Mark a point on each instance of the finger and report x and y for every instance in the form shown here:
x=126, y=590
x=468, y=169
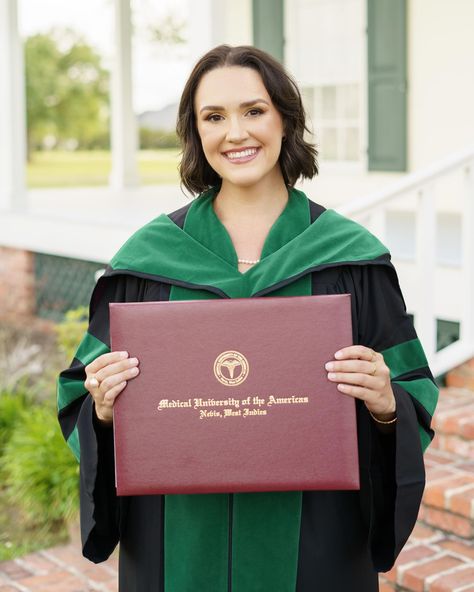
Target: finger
x=374, y=383
x=373, y=401
x=113, y=393
x=111, y=381
x=356, y=351
x=352, y=366
x=105, y=359
x=115, y=368
x=105, y=405
x=89, y=384
x=358, y=392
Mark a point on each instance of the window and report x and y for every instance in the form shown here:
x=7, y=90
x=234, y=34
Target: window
x=334, y=111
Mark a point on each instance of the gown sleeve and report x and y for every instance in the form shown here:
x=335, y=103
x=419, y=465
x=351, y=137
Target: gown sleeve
x=392, y=469
x=90, y=441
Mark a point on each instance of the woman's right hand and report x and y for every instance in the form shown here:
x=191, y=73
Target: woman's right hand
x=106, y=378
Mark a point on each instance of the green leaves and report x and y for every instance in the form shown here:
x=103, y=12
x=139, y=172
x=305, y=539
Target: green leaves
x=66, y=90
x=11, y=407
x=71, y=330
x=41, y=475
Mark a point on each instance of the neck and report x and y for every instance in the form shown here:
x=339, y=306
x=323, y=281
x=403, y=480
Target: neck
x=233, y=203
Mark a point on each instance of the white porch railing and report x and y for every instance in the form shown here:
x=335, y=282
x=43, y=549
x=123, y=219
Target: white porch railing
x=422, y=186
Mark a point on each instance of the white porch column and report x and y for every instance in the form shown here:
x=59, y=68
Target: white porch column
x=12, y=111
x=213, y=22
x=203, y=26
x=123, y=121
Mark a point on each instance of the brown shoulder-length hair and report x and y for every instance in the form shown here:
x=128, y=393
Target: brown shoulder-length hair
x=298, y=158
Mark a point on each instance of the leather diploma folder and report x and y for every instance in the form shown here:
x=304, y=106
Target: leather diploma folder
x=233, y=396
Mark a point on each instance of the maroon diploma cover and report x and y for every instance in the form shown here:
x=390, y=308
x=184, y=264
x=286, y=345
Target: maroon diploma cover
x=233, y=396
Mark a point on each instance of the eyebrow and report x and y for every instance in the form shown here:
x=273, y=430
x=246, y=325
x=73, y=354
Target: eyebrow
x=245, y=104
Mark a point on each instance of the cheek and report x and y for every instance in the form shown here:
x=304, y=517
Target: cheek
x=271, y=130
x=211, y=150
x=210, y=139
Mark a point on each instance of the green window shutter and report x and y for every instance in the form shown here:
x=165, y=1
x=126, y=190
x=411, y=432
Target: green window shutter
x=387, y=79
x=268, y=26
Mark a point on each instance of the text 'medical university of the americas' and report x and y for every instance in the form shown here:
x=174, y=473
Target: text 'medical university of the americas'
x=255, y=401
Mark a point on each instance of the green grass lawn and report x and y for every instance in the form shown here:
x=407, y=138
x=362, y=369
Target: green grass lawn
x=92, y=168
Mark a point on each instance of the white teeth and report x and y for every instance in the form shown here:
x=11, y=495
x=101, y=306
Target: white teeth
x=241, y=154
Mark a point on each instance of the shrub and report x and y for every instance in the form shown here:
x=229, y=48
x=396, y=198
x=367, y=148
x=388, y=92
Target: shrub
x=27, y=355
x=71, y=330
x=41, y=475
x=11, y=407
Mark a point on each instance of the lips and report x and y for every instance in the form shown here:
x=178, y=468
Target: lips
x=242, y=155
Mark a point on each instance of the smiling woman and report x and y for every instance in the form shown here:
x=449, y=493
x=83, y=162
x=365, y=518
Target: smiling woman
x=251, y=233
x=242, y=124
x=238, y=133
x=231, y=90
x=242, y=144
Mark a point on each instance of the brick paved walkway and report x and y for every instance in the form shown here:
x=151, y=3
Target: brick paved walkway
x=430, y=561
x=60, y=569
x=439, y=557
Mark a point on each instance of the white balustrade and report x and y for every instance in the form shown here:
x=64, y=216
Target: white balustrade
x=467, y=327
x=371, y=210
x=377, y=223
x=425, y=321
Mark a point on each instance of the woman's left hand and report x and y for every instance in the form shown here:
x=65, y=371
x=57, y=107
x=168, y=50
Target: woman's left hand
x=360, y=372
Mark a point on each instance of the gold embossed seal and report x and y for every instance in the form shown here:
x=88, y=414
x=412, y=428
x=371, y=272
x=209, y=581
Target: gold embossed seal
x=231, y=368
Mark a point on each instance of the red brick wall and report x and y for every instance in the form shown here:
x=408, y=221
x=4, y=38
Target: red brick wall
x=17, y=284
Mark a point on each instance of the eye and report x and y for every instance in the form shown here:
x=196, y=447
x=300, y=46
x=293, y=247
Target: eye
x=211, y=117
x=256, y=111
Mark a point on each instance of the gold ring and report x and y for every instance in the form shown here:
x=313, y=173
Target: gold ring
x=374, y=370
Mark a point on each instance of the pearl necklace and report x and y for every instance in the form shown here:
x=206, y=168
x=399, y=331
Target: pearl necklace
x=249, y=261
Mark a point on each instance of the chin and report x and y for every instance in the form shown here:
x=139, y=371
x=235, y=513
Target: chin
x=244, y=180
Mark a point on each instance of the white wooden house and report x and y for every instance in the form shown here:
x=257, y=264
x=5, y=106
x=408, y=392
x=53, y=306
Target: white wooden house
x=389, y=88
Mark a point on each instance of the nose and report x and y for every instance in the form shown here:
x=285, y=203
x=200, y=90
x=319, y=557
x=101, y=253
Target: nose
x=236, y=131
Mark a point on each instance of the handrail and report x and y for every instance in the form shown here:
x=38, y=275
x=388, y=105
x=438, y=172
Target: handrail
x=409, y=183
x=423, y=184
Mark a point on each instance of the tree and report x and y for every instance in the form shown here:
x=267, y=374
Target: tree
x=66, y=90
x=169, y=31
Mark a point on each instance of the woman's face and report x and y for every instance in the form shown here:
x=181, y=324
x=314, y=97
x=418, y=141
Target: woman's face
x=240, y=129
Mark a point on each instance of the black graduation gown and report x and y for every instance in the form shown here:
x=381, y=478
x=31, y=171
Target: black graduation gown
x=345, y=537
